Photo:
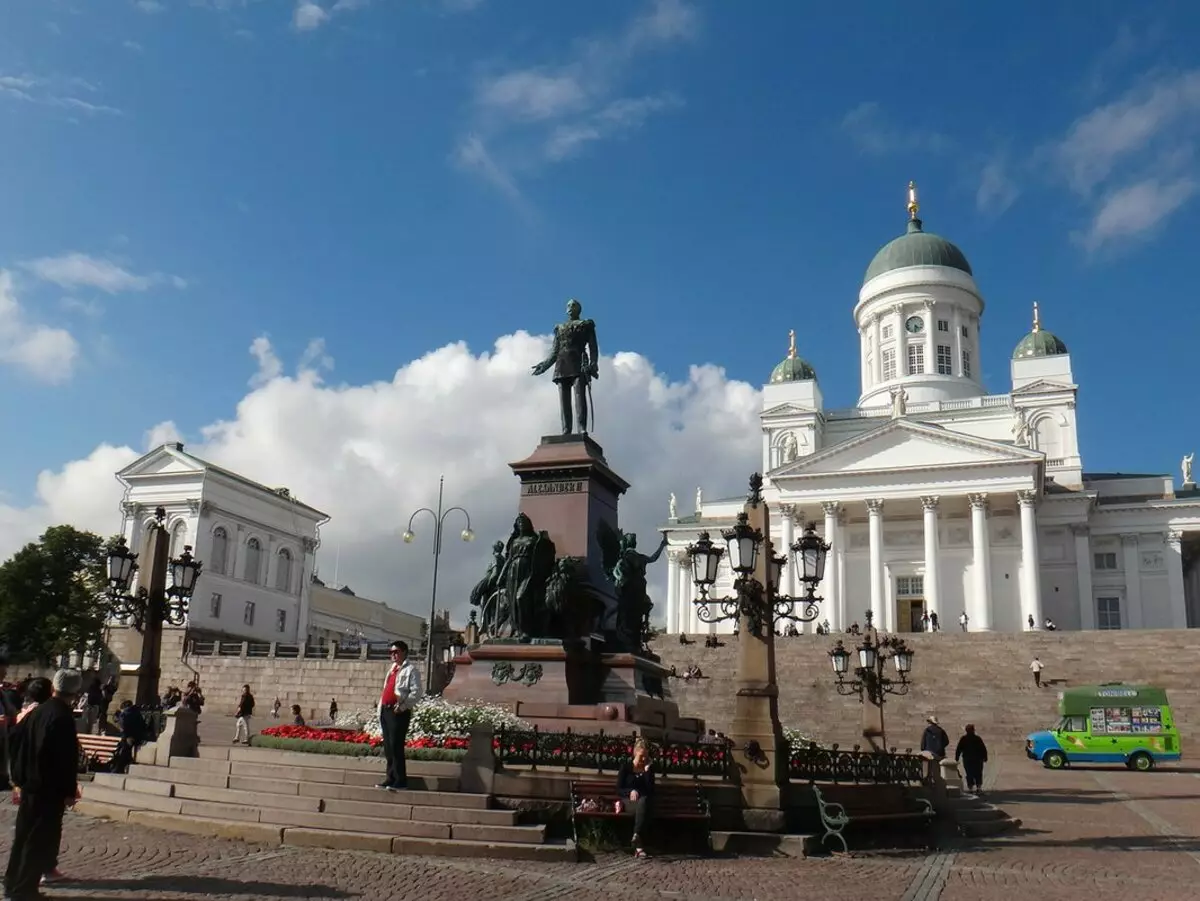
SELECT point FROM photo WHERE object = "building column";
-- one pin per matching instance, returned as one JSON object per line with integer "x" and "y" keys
{"x": 673, "y": 564}
{"x": 877, "y": 358}
{"x": 1083, "y": 575}
{"x": 875, "y": 530}
{"x": 1178, "y": 597}
{"x": 685, "y": 614}
{"x": 979, "y": 610}
{"x": 833, "y": 583}
{"x": 932, "y": 576}
{"x": 930, "y": 338}
{"x": 1031, "y": 576}
{"x": 1133, "y": 581}
{"x": 787, "y": 534}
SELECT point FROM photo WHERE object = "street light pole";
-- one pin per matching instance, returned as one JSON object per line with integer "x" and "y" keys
{"x": 871, "y": 682}
{"x": 439, "y": 519}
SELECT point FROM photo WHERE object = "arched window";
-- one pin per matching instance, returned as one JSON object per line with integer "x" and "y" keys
{"x": 178, "y": 538}
{"x": 253, "y": 561}
{"x": 283, "y": 570}
{"x": 220, "y": 551}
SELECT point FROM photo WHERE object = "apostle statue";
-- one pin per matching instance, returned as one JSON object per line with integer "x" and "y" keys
{"x": 626, "y": 567}
{"x": 672, "y": 511}
{"x": 528, "y": 565}
{"x": 1187, "y": 469}
{"x": 575, "y": 358}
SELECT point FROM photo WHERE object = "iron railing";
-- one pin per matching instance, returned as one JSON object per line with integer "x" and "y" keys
{"x": 600, "y": 752}
{"x": 813, "y": 763}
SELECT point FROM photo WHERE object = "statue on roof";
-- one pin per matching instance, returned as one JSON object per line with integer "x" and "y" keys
{"x": 575, "y": 358}
{"x": 1187, "y": 469}
{"x": 899, "y": 403}
{"x": 672, "y": 510}
{"x": 1020, "y": 429}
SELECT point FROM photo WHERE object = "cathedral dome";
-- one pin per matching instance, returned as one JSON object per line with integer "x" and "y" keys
{"x": 916, "y": 247}
{"x": 1039, "y": 342}
{"x": 792, "y": 368}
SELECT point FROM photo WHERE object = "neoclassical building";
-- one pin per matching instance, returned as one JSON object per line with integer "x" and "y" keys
{"x": 939, "y": 497}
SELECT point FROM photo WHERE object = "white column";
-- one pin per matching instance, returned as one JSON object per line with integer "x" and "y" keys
{"x": 1178, "y": 597}
{"x": 901, "y": 342}
{"x": 932, "y": 577}
{"x": 1083, "y": 575}
{"x": 686, "y": 617}
{"x": 673, "y": 559}
{"x": 877, "y": 358}
{"x": 787, "y": 534}
{"x": 1031, "y": 575}
{"x": 831, "y": 609}
{"x": 956, "y": 341}
{"x": 875, "y": 530}
{"x": 930, "y": 338}
{"x": 864, "y": 350}
{"x": 980, "y": 605}
{"x": 1133, "y": 581}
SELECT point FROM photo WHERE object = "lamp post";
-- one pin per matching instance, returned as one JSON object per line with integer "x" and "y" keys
{"x": 152, "y": 604}
{"x": 757, "y": 606}
{"x": 870, "y": 681}
{"x": 439, "y": 518}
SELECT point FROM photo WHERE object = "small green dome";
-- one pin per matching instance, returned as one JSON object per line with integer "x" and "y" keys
{"x": 916, "y": 248}
{"x": 1039, "y": 342}
{"x": 793, "y": 368}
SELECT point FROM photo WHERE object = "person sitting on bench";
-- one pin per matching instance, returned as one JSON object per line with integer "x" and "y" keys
{"x": 635, "y": 784}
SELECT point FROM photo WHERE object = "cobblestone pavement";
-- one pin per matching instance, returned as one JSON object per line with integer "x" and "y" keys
{"x": 1099, "y": 834}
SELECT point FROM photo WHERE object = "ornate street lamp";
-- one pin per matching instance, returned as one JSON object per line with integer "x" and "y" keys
{"x": 871, "y": 681}
{"x": 762, "y": 604}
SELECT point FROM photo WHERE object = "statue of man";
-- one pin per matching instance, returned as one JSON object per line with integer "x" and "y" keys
{"x": 575, "y": 358}
{"x": 899, "y": 403}
{"x": 1187, "y": 469}
{"x": 672, "y": 511}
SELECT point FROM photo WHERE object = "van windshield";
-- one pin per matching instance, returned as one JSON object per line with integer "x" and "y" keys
{"x": 1072, "y": 724}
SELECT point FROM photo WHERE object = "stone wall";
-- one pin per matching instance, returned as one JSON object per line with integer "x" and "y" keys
{"x": 981, "y": 678}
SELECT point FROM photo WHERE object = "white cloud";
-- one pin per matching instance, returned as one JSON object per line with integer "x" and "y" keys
{"x": 59, "y": 92}
{"x": 158, "y": 435}
{"x": 48, "y": 354}
{"x": 370, "y": 454}
{"x": 308, "y": 15}
{"x": 997, "y": 189}
{"x": 526, "y": 118}
{"x": 1136, "y": 209}
{"x": 269, "y": 365}
{"x": 75, "y": 270}
{"x": 150, "y": 6}
{"x": 875, "y": 133}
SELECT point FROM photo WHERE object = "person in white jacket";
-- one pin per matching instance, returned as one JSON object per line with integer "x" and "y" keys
{"x": 401, "y": 691}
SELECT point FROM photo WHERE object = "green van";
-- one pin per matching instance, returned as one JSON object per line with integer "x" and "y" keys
{"x": 1110, "y": 723}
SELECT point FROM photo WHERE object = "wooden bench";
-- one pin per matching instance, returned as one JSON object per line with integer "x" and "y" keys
{"x": 842, "y": 806}
{"x": 674, "y": 802}
{"x": 95, "y": 751}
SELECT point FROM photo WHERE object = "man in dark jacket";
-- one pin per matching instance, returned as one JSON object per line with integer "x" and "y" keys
{"x": 973, "y": 753}
{"x": 10, "y": 705}
{"x": 45, "y": 757}
{"x": 934, "y": 739}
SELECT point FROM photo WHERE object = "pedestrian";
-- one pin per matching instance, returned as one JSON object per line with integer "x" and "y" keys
{"x": 1036, "y": 668}
{"x": 94, "y": 701}
{"x": 963, "y": 619}
{"x": 401, "y": 691}
{"x": 925, "y": 621}
{"x": 973, "y": 753}
{"x": 45, "y": 758}
{"x": 933, "y": 622}
{"x": 1031, "y": 623}
{"x": 10, "y": 705}
{"x": 245, "y": 710}
{"x": 333, "y": 710}
{"x": 934, "y": 742}
{"x": 297, "y": 716}
{"x": 275, "y": 708}
{"x": 108, "y": 692}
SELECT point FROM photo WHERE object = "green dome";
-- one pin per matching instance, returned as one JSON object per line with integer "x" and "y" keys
{"x": 793, "y": 368}
{"x": 1039, "y": 342}
{"x": 917, "y": 248}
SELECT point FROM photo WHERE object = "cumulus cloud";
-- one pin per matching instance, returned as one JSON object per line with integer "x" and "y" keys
{"x": 875, "y": 133}
{"x": 79, "y": 270}
{"x": 370, "y": 454}
{"x": 48, "y": 354}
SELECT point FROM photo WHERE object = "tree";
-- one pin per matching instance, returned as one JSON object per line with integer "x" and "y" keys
{"x": 52, "y": 593}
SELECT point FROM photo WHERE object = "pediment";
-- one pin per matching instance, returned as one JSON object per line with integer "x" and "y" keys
{"x": 1044, "y": 386}
{"x": 788, "y": 410}
{"x": 901, "y": 445}
{"x": 161, "y": 461}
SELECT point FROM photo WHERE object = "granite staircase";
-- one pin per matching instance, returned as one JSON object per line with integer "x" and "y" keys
{"x": 320, "y": 801}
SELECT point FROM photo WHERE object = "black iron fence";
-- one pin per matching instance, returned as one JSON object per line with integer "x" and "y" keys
{"x": 813, "y": 763}
{"x": 599, "y": 752}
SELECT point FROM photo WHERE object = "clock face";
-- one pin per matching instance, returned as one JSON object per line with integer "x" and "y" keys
{"x": 914, "y": 324}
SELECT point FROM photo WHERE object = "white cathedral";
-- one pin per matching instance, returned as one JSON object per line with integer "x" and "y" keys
{"x": 938, "y": 497}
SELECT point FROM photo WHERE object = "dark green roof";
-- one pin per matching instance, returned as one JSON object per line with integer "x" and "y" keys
{"x": 916, "y": 248}
{"x": 1039, "y": 342}
{"x": 792, "y": 369}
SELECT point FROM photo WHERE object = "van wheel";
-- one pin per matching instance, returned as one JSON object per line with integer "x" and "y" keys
{"x": 1054, "y": 760}
{"x": 1142, "y": 762}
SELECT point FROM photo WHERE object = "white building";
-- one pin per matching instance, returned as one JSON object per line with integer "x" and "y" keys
{"x": 939, "y": 497}
{"x": 339, "y": 616}
{"x": 257, "y": 544}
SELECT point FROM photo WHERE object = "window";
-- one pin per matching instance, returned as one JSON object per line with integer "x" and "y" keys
{"x": 280, "y": 620}
{"x": 253, "y": 561}
{"x": 945, "y": 360}
{"x": 887, "y": 332}
{"x": 214, "y": 606}
{"x": 889, "y": 365}
{"x": 220, "y": 551}
{"x": 248, "y": 616}
{"x": 966, "y": 332}
{"x": 1105, "y": 561}
{"x": 943, "y": 325}
{"x": 910, "y": 586}
{"x": 283, "y": 571}
{"x": 916, "y": 359}
{"x": 1074, "y": 724}
{"x": 178, "y": 538}
{"x": 966, "y": 367}
{"x": 1108, "y": 613}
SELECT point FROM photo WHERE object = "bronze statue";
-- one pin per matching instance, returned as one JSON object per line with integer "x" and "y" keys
{"x": 528, "y": 565}
{"x": 486, "y": 594}
{"x": 626, "y": 567}
{"x": 575, "y": 358}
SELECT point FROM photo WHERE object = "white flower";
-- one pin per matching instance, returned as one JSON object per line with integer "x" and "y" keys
{"x": 434, "y": 717}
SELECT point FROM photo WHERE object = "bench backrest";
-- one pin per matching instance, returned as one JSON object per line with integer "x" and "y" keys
{"x": 675, "y": 797}
{"x": 878, "y": 798}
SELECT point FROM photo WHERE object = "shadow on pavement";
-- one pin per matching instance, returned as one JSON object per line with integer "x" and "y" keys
{"x": 1072, "y": 796}
{"x": 1023, "y": 837}
{"x": 202, "y": 885}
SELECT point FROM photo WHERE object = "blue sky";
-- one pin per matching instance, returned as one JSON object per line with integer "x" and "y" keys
{"x": 181, "y": 177}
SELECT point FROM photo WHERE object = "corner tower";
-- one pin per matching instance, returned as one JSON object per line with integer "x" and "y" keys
{"x": 918, "y": 317}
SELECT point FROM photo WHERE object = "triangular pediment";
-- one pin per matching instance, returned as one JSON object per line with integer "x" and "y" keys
{"x": 902, "y": 444}
{"x": 788, "y": 410}
{"x": 165, "y": 460}
{"x": 1044, "y": 386}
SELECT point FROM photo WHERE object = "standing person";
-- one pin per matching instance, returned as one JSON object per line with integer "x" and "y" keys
{"x": 635, "y": 784}
{"x": 95, "y": 700}
{"x": 1030, "y": 621}
{"x": 1036, "y": 668}
{"x": 275, "y": 708}
{"x": 333, "y": 710}
{"x": 933, "y": 622}
{"x": 108, "y": 692}
{"x": 401, "y": 691}
{"x": 9, "y": 707}
{"x": 45, "y": 758}
{"x": 245, "y": 710}
{"x": 934, "y": 742}
{"x": 973, "y": 753}
{"x": 963, "y": 619}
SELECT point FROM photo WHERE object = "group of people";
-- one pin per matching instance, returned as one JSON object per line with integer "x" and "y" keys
{"x": 970, "y": 751}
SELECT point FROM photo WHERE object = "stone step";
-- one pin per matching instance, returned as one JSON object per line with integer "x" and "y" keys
{"x": 439, "y": 768}
{"x": 470, "y": 844}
